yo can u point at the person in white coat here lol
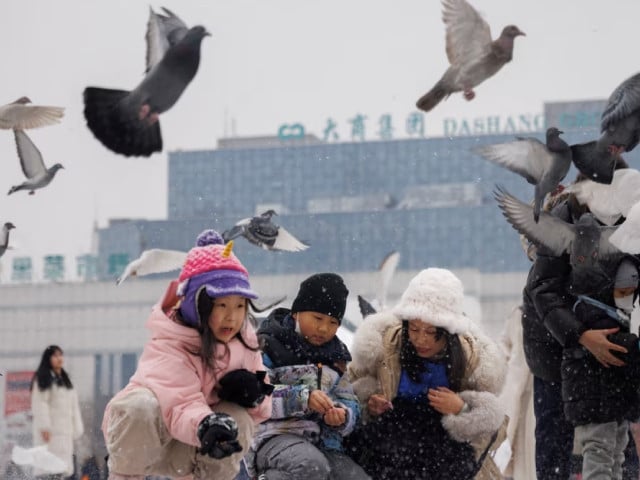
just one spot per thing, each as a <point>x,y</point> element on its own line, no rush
<point>517,399</point>
<point>56,412</point>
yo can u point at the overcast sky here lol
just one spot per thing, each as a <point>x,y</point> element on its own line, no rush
<point>268,62</point>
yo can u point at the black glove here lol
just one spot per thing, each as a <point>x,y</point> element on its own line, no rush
<point>218,435</point>
<point>245,388</point>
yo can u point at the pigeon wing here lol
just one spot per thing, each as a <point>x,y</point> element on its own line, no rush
<point>468,36</point>
<point>366,308</point>
<point>623,101</point>
<point>163,31</point>
<point>155,260</point>
<point>23,117</point>
<point>626,237</point>
<point>527,157</point>
<point>286,241</point>
<point>550,231</point>
<point>609,202</point>
<point>30,157</point>
<point>386,271</point>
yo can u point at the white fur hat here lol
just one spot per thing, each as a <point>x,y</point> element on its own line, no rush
<point>435,296</point>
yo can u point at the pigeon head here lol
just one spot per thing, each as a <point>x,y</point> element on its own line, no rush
<point>196,34</point>
<point>585,247</point>
<point>511,31</point>
<point>554,142</point>
<point>9,226</point>
<point>56,167</point>
<point>23,100</point>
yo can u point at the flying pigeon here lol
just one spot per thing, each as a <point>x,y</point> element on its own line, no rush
<point>261,231</point>
<point>127,122</point>
<point>620,122</point>
<point>21,115</point>
<point>609,202</point>
<point>155,260</point>
<point>586,241</point>
<point>541,165</point>
<point>38,176</point>
<point>473,55</point>
<point>4,237</point>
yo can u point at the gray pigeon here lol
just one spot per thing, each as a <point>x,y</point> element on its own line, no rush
<point>127,122</point>
<point>586,241</point>
<point>261,231</point>
<point>472,54</point>
<point>22,115</point>
<point>544,166</point>
<point>4,237</point>
<point>38,176</point>
<point>620,123</point>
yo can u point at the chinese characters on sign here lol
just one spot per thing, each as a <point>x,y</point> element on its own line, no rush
<point>357,128</point>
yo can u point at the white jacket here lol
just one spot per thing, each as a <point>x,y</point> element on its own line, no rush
<point>57,411</point>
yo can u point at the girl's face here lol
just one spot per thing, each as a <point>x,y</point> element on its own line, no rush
<point>227,317</point>
<point>316,328</point>
<point>56,361</point>
<point>423,337</point>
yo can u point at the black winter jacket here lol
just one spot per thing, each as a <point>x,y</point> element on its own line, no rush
<point>548,323</point>
<point>284,346</point>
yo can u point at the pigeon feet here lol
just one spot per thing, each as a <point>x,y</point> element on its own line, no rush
<point>616,149</point>
<point>469,94</point>
<point>144,111</point>
<point>146,115</point>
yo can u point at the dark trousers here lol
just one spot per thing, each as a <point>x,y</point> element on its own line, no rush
<point>554,434</point>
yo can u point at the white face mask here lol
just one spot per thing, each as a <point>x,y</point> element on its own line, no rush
<point>625,303</point>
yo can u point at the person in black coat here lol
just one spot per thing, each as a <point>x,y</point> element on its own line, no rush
<point>600,401</point>
<point>549,326</point>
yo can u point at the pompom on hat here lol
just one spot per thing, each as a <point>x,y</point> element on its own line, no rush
<point>213,268</point>
<point>435,296</point>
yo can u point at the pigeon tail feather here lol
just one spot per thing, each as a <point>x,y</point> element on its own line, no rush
<point>433,97</point>
<point>117,126</point>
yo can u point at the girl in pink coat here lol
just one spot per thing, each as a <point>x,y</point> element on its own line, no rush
<point>192,405</point>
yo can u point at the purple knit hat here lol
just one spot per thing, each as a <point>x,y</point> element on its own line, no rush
<point>211,266</point>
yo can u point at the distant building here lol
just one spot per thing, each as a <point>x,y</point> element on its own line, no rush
<point>429,198</point>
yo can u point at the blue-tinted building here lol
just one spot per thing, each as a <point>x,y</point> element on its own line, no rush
<point>429,198</point>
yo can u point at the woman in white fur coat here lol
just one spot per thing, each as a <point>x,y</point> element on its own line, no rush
<point>428,381</point>
<point>56,412</point>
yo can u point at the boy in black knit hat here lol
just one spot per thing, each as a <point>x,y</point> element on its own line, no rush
<point>314,406</point>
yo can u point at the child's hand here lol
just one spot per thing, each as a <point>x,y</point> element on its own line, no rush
<point>378,404</point>
<point>320,402</point>
<point>445,401</point>
<point>46,435</point>
<point>335,417</point>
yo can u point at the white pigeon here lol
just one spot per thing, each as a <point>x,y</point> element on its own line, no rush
<point>38,175</point>
<point>609,202</point>
<point>4,237</point>
<point>38,457</point>
<point>627,236</point>
<point>22,115</point>
<point>155,260</point>
<point>261,231</point>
